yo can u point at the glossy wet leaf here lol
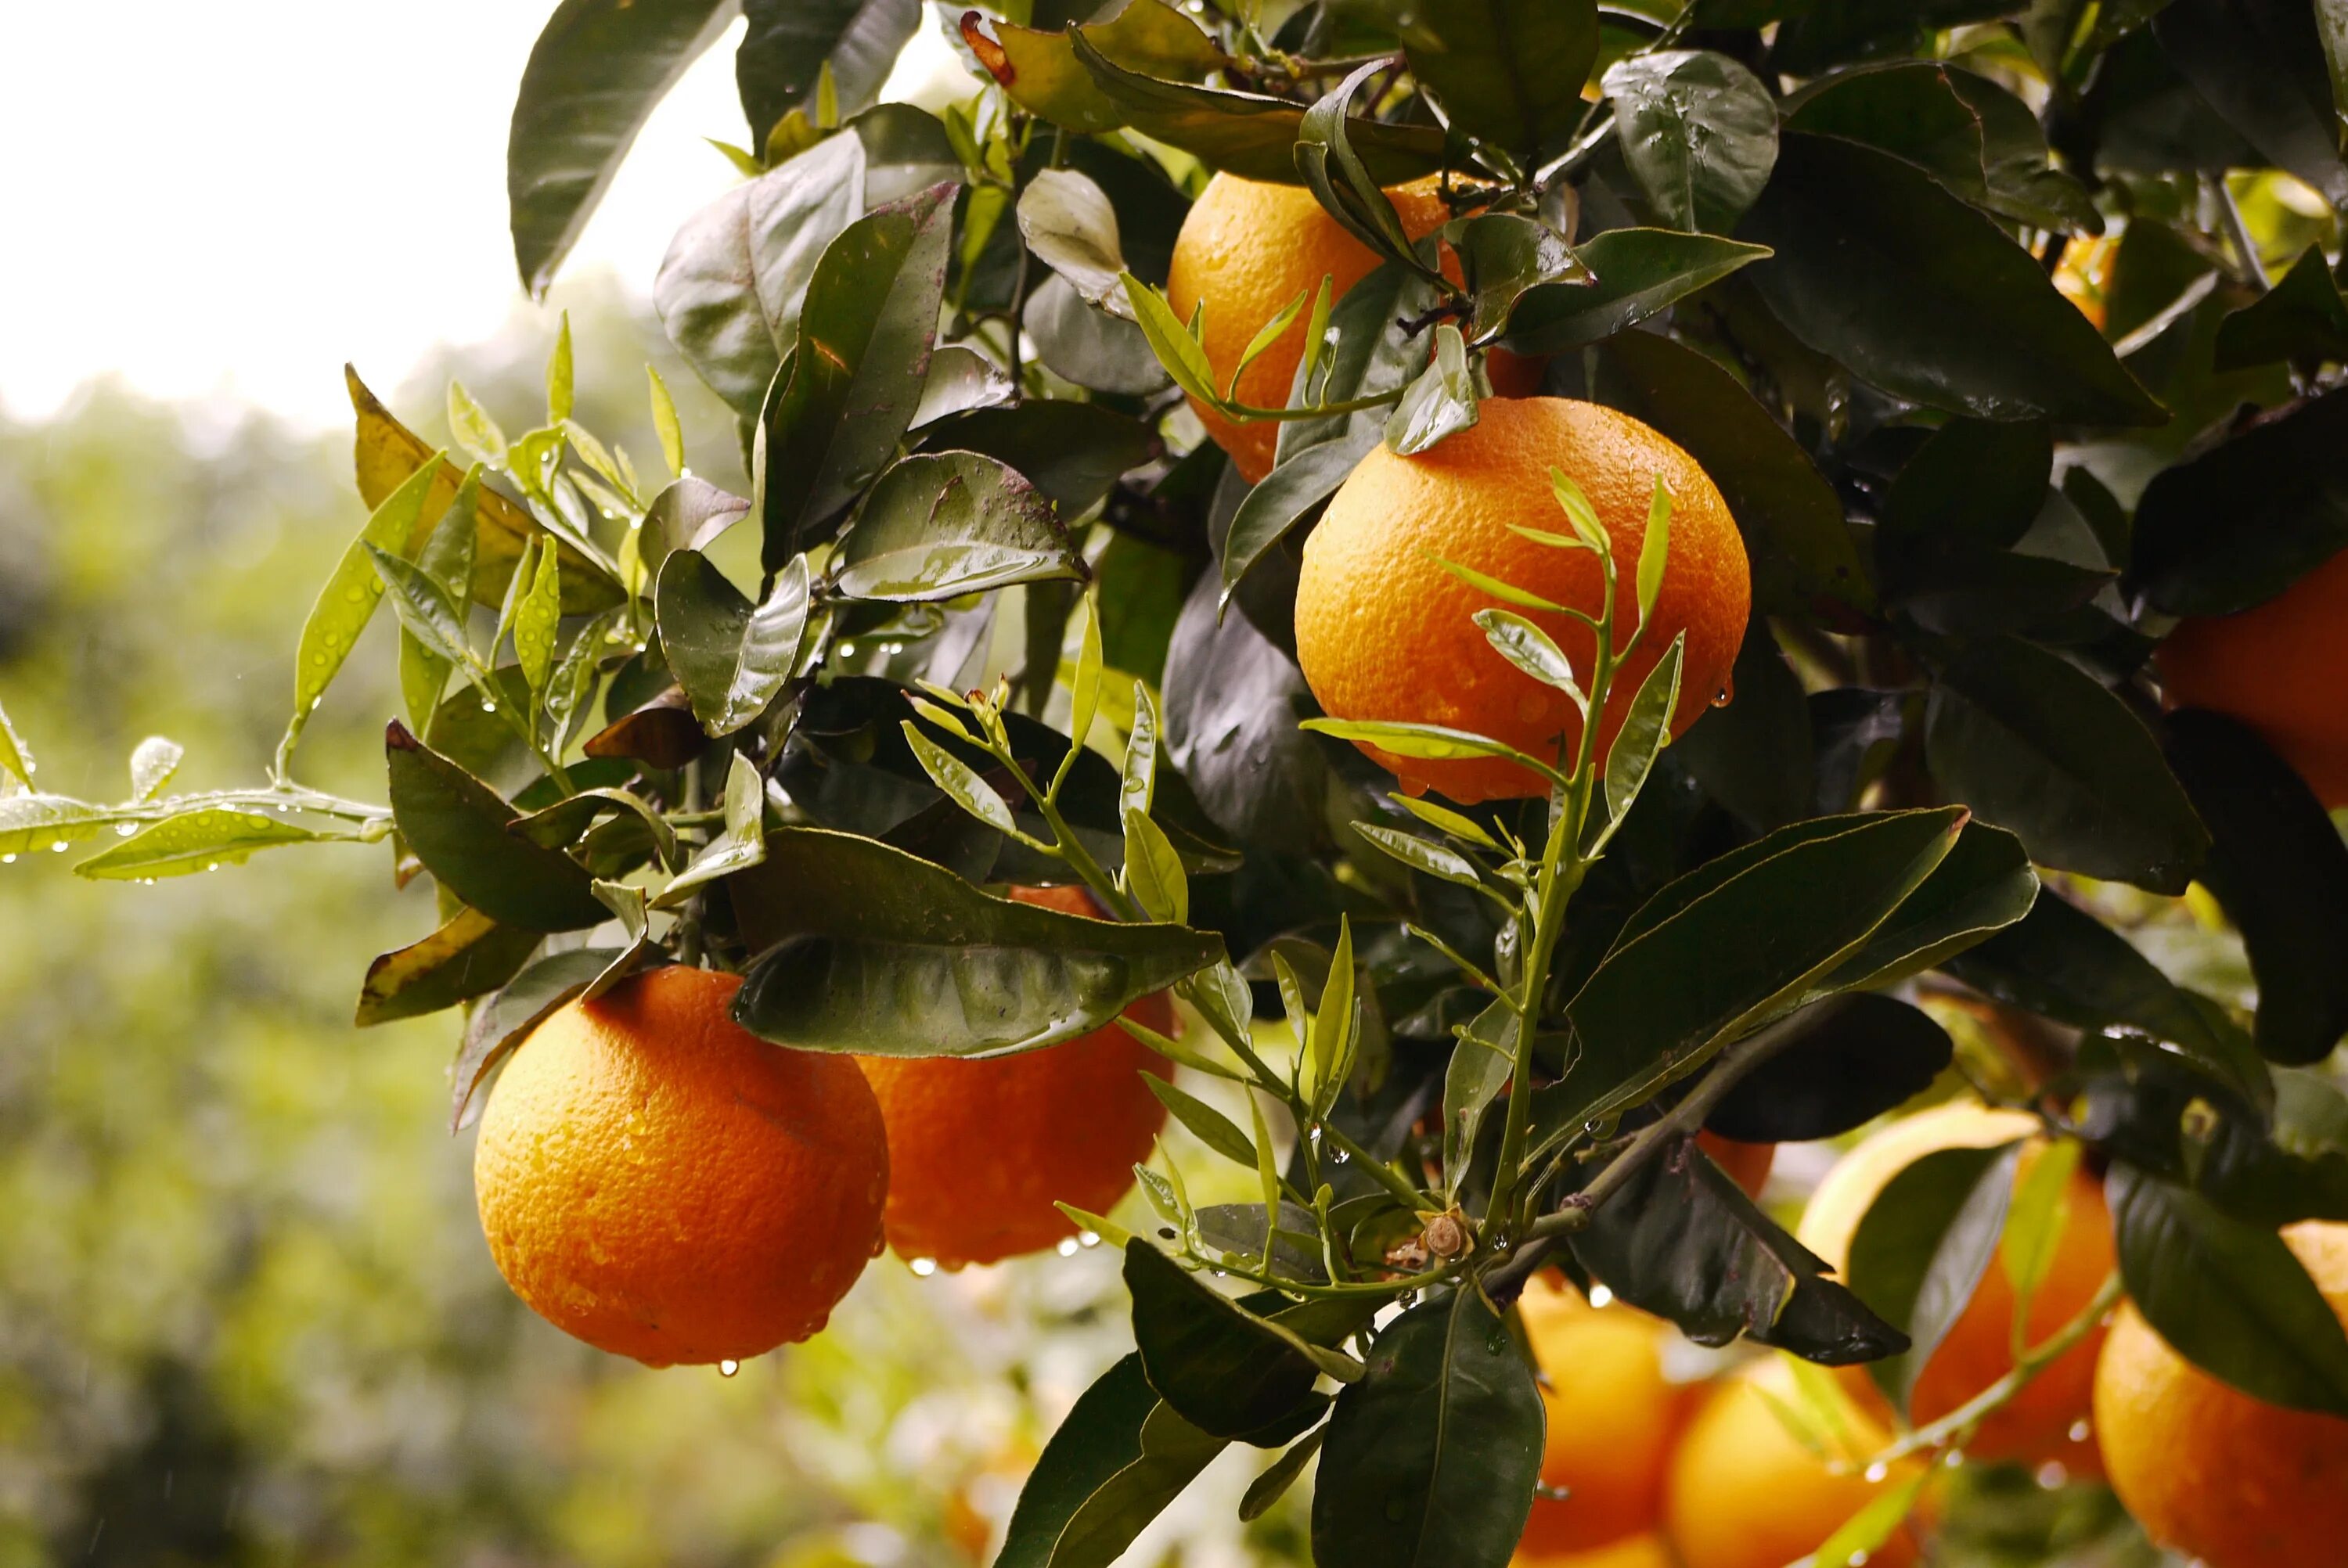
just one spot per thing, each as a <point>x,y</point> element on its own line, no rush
<point>1507,71</point>
<point>739,846</point>
<point>193,841</point>
<point>1070,224</point>
<point>2046,750</point>
<point>1635,274</point>
<point>595,74</point>
<point>1073,453</point>
<point>2302,320</point>
<point>1295,488</point>
<point>468,956</point>
<point>1118,1458</point>
<point>1431,1459</point>
<point>1699,133</point>
<point>1881,268</point>
<point>941,524</point>
<point>1039,69</point>
<point>833,420</point>
<point>347,602</point>
<point>457,826</point>
<point>1441,402</point>
<point>1646,730</point>
<point>1858,1056</point>
<point>1222,1367</point>
<point>878,952</point>
<point>790,43</point>
<point>2236,524</point>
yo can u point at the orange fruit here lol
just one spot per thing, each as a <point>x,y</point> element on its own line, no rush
<point>1631,1551</point>
<point>1748,1489</point>
<point>659,1181</point>
<point>2084,274</point>
<point>2037,1425</point>
<point>980,1151</point>
<point>2277,667</point>
<point>1246,250</point>
<point>1384,631</point>
<point>1612,1417</point>
<point>2210,1473</point>
<point>1746,1164</point>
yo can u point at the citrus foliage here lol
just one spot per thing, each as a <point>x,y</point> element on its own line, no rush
<point>1991,421</point>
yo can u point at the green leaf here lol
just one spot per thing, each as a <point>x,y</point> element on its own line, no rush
<point>2046,750</point>
<point>2237,525</point>
<point>1341,182</point>
<point>32,820</point>
<point>874,951</point>
<point>1654,550</point>
<point>1646,729</point>
<point>1280,1474</point>
<point>1070,224</point>
<point>731,288</point>
<point>473,427</point>
<point>1246,134</point>
<point>665,424</point>
<point>1673,991</point>
<point>2261,64</point>
<point>960,783</point>
<point>153,762</point>
<point>2279,869</point>
<point>1153,870</point>
<point>1366,351</point>
<point>1881,268</point>
<point>1210,1126</point>
<point>1434,859</point>
<point>1335,1024</point>
<point>1699,133</point>
<point>1855,1057</point>
<point>941,524</point>
<point>1922,1247</point>
<point>731,659</point>
<point>1286,496</point>
<point>793,48</point>
<point>1865,1533</point>
<point>1226,1369</point>
<point>1508,72</point>
<point>343,610</point>
<point>1039,69</point>
<point>594,77</point>
<point>1441,402</point>
<point>1634,273</point>
<point>1171,340</point>
<point>559,375</point>
<point>1444,819</point>
<point>424,609</point>
<point>2033,1228</point>
<point>833,419</point>
<point>1084,686</point>
<point>2230,1298</point>
<point>17,758</point>
<point>2301,320</point>
<point>457,826</point>
<point>1791,520</point>
<point>1425,740</point>
<point>1480,1067</point>
<point>201,840</point>
<point>742,846</point>
<point>1431,1459</point>
<point>1120,1456</point>
<point>470,955</point>
<point>1979,140</point>
<point>536,620</point>
<point>564,824</point>
<point>1682,1240</point>
<point>1074,453</point>
<point>1971,480</point>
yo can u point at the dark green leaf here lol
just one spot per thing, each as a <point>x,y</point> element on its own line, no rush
<point>1922,1247</point>
<point>2261,64</point>
<point>2241,522</point>
<point>833,419</point>
<point>1824,32</point>
<point>1790,517</point>
<point>941,524</point>
<point>596,73</point>
<point>2038,747</point>
<point>2229,1297</point>
<point>1971,480</point>
<point>1682,1240</point>
<point>2279,869</point>
<point>1985,885</point>
<point>1635,272</point>
<point>1246,134</point>
<point>1883,270</point>
<point>1219,1366</point>
<point>1299,483</point>
<point>1754,755</point>
<point>468,957</point>
<point>457,826</point>
<point>1074,453</point>
<point>1676,988</point>
<point>731,287</point>
<point>1280,1475</point>
<point>1119,1459</point>
<point>2301,320</point>
<point>883,954</point>
<point>1232,702</point>
<point>790,41</point>
<point>732,659</point>
<point>1508,72</point>
<point>1431,1459</point>
<point>1699,133</point>
<point>1857,1057</point>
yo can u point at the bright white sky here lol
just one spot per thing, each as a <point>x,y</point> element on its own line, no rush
<point>228,200</point>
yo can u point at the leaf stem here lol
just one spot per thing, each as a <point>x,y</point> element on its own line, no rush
<point>1958,1425</point>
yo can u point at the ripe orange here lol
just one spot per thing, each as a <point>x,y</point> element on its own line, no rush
<point>1746,1490</point>
<point>1631,1551</point>
<point>1385,632</point>
<point>2277,668</point>
<point>2210,1473</point>
<point>1612,1417</point>
<point>1746,1164</point>
<point>979,1151</point>
<point>661,1182</point>
<point>1246,250</point>
<point>2037,1425</point>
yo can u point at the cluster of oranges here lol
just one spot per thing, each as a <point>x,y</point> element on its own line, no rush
<point>662,1184</point>
<point>1760,1466</point>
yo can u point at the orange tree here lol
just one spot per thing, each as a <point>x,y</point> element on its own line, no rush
<point>991,612</point>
